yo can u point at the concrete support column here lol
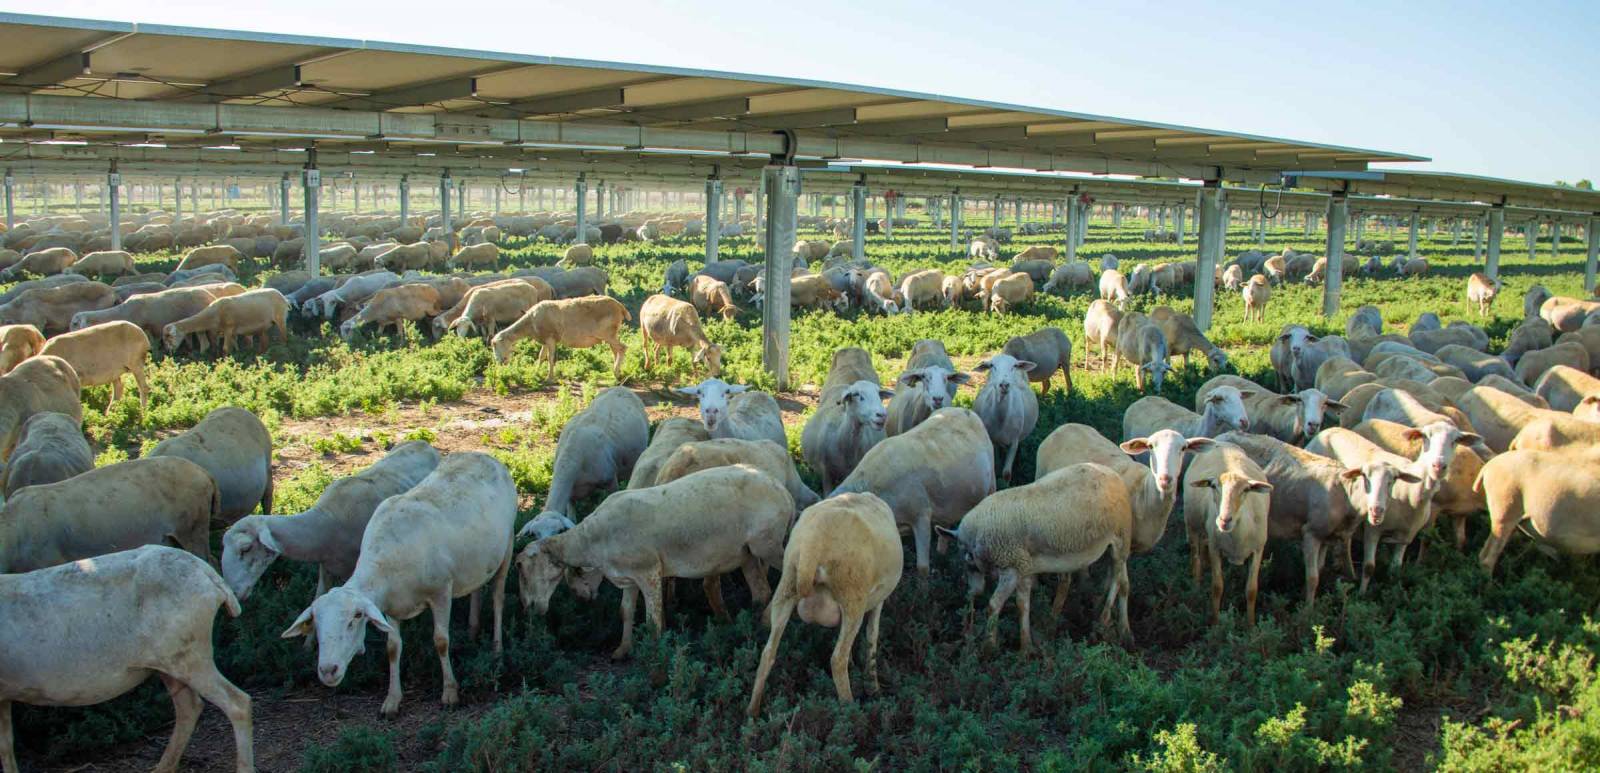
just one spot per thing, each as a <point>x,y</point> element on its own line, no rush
<point>1477,238</point>
<point>1532,232</point>
<point>1360,221</point>
<point>355,194</point>
<point>283,200</point>
<point>1073,215</point>
<point>761,204</point>
<point>114,189</point>
<point>1497,229</point>
<point>600,202</point>
<point>313,186</point>
<point>1593,262</point>
<point>405,198</point>
<point>1177,223</point>
<point>783,201</point>
<point>955,222</point>
<point>738,205</point>
<point>858,228</point>
<point>1455,231</point>
<point>1116,215</point>
<point>446,186</point>
<point>497,186</point>
<point>713,218</point>
<point>1555,240</point>
<point>580,192</point>
<point>11,200</point>
<point>1333,281</point>
<point>1213,233</point>
<point>1411,249</point>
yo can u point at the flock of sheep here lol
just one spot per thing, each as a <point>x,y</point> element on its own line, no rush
<point>1371,437</point>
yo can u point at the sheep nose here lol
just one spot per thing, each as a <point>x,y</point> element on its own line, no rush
<point>1164,481</point>
<point>1244,424</point>
<point>328,673</point>
<point>938,402</point>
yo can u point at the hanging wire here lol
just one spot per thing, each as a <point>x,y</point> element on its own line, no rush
<point>1277,205</point>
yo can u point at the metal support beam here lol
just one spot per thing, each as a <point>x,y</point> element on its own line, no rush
<point>713,218</point>
<point>783,194</point>
<point>405,198</point>
<point>1411,249</point>
<point>1333,281</point>
<point>313,240</point>
<point>1497,229</point>
<point>1073,216</point>
<point>581,191</point>
<point>283,200</point>
<point>1593,262</point>
<point>955,222</point>
<point>1532,233</point>
<point>261,82</point>
<point>74,64</point>
<point>114,188</point>
<point>1178,223</point>
<point>445,187</point>
<point>1555,240</point>
<point>1477,237</point>
<point>761,204</point>
<point>1213,232</point>
<point>11,202</point>
<point>858,228</point>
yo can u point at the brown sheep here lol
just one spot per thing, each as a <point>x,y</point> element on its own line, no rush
<point>18,343</point>
<point>257,311</point>
<point>1533,364</point>
<point>211,255</point>
<point>45,262</point>
<point>711,296</point>
<point>103,354</point>
<point>666,322</point>
<point>38,385</point>
<point>393,306</point>
<point>50,309</point>
<point>103,263</point>
<point>1049,350</point>
<point>500,303</point>
<point>575,322</point>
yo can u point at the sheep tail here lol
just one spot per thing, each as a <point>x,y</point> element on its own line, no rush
<point>228,599</point>
<point>1477,483</point>
<point>808,573</point>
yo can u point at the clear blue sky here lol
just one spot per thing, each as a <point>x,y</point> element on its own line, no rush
<point>1493,88</point>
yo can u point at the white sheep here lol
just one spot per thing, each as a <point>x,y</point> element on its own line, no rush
<point>1225,507</point>
<point>1223,412</point>
<point>747,415</point>
<point>927,384</point>
<point>849,419</point>
<point>1548,494</point>
<point>1007,405</point>
<point>450,535</point>
<point>1409,488</point>
<point>598,448</point>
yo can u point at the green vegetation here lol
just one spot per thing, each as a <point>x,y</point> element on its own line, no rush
<point>1440,666</point>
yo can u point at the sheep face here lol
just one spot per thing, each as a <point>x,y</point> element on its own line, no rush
<point>938,385</point>
<point>1166,449</point>
<point>711,357</point>
<point>1313,408</point>
<point>80,321</point>
<point>864,401</point>
<point>339,618</point>
<point>1439,442</point>
<point>713,394</point>
<point>1006,372</point>
<point>1228,492</point>
<point>1377,481</point>
<point>502,346</point>
<point>347,329</point>
<point>247,550</point>
<point>171,338</point>
<point>1296,338</point>
<point>1218,359</point>
<point>1225,409</point>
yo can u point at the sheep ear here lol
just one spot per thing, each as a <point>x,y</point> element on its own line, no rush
<point>734,389</point>
<point>1259,485</point>
<point>1312,339</point>
<point>1246,394</point>
<point>985,365</point>
<point>1408,477</point>
<point>1026,365</point>
<point>1202,483</point>
<point>1289,399</point>
<point>268,541</point>
<point>1135,446</point>
<point>960,378</point>
<point>954,534</point>
<point>693,391</point>
<point>911,378</point>
<point>1468,439</point>
<point>1334,407</point>
<point>376,616</point>
<point>1352,473</point>
<point>1198,443</point>
<point>1412,434</point>
<point>885,394</point>
<point>300,627</point>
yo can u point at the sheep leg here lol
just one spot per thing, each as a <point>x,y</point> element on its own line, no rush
<point>841,656</point>
<point>116,389</point>
<point>1349,565</point>
<point>440,608</point>
<point>617,353</point>
<point>872,648</point>
<point>203,678</point>
<point>499,597</point>
<point>1251,586</point>
<point>8,754</point>
<point>1197,542</point>
<point>652,600</point>
<point>1400,556</point>
<point>755,575</point>
<point>1060,601</point>
<point>1369,557</point>
<point>1216,583</point>
<point>1025,613</point>
<point>1011,459</point>
<point>552,357</point>
<point>474,613</point>
<point>186,707</point>
<point>1461,532</point>
<point>1123,628</point>
<point>1003,588</point>
<point>310,641</point>
<point>782,608</point>
<point>644,345</point>
<point>713,587</point>
<point>630,601</point>
<point>921,533</point>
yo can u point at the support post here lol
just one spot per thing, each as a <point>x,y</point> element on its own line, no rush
<point>581,191</point>
<point>1178,223</point>
<point>405,199</point>
<point>1555,240</point>
<point>11,201</point>
<point>1116,216</point>
<point>355,194</point>
<point>761,204</point>
<point>1333,281</point>
<point>1212,234</point>
<point>783,199</point>
<point>313,241</point>
<point>283,200</point>
<point>445,187</point>
<point>1497,229</point>
<point>177,200</point>
<point>1593,262</point>
<point>713,217</point>
<point>858,228</point>
<point>194,200</point>
<point>1532,232</point>
<point>1073,215</point>
<point>955,222</point>
<point>114,189</point>
<point>1455,231</point>
<point>1477,237</point>
<point>1411,249</point>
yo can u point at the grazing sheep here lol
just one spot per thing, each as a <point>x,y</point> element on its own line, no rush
<point>1589,338</point>
<point>50,309</point>
<point>923,289</point>
<point>747,415</point>
<point>669,435</point>
<point>710,295</point>
<point>1276,269</point>
<point>1142,344</point>
<point>1292,418</point>
<point>1315,500</point>
<point>1100,324</point>
<point>1337,376</point>
<point>45,262</point>
<point>481,255</point>
<point>1564,387</point>
<point>394,306</point>
<point>103,263</point>
<point>677,276</point>
<point>329,533</point>
<point>764,455</point>
<point>50,449</point>
<point>1069,276</point>
<point>1566,314</point>
<point>213,273</point>
<point>491,305</point>
<point>235,448</point>
<point>211,255</point>
<point>1366,322</point>
<point>1446,456</point>
<point>1049,350</point>
<point>247,314</point>
<point>1307,357</point>
<point>665,322</point>
<point>598,448</point>
<point>1008,292</point>
<point>1256,293</point>
<point>1225,510</point>
<point>18,343</point>
<point>702,525</point>
<point>1533,300</point>
<point>1233,278</point>
<point>103,354</point>
<point>1549,494</point>
<point>1533,364</point>
<point>930,475</point>
<point>842,561</point>
<point>1063,522</point>
<point>152,312</point>
<point>1532,334</point>
<point>577,255</point>
<point>38,385</point>
<point>1139,278</point>
<point>1474,364</point>
<point>1113,287</point>
<point>91,631</point>
<point>849,419</point>
<point>1224,412</point>
<point>444,539</point>
<point>928,383</point>
<point>1406,508</point>
<point>1007,405</point>
<point>404,257</point>
<point>576,322</point>
<point>1184,336</point>
<point>878,292</point>
<point>117,507</point>
<point>1482,290</point>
